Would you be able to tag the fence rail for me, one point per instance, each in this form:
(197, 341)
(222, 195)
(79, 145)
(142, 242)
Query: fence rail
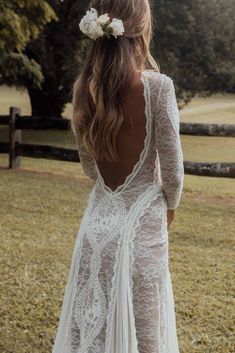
(225, 130)
(47, 152)
(41, 123)
(16, 149)
(27, 122)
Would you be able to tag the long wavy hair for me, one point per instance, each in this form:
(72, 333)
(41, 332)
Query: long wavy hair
(100, 90)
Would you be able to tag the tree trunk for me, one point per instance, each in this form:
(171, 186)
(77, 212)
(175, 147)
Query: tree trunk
(44, 103)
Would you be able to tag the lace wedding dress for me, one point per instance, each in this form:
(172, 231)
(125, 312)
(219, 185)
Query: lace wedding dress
(118, 298)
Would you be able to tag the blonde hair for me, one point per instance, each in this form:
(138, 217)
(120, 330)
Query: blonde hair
(100, 90)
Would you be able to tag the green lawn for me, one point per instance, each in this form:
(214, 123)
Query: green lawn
(40, 216)
(41, 207)
(218, 109)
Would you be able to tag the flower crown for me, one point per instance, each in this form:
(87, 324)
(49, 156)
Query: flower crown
(95, 27)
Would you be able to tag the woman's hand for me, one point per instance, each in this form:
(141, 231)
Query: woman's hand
(170, 217)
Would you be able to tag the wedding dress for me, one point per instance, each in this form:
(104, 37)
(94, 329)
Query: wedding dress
(118, 298)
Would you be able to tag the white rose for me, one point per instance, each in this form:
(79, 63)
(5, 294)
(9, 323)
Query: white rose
(84, 26)
(117, 27)
(95, 30)
(91, 15)
(103, 19)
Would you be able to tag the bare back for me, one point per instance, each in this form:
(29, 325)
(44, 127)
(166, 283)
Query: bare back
(131, 137)
(148, 143)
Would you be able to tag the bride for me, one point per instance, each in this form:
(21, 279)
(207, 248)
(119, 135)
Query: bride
(119, 298)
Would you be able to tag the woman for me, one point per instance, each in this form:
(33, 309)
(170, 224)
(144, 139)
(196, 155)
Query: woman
(119, 298)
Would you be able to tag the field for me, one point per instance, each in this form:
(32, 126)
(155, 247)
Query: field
(41, 208)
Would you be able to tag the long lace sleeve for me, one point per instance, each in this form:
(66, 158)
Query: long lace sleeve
(168, 143)
(87, 161)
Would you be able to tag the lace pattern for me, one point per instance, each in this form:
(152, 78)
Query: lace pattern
(119, 297)
(168, 146)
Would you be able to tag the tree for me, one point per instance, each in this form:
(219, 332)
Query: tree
(20, 22)
(194, 44)
(59, 51)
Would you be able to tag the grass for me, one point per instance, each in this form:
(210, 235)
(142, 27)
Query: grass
(40, 216)
(218, 109)
(208, 149)
(41, 208)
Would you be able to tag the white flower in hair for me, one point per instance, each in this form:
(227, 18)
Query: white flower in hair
(89, 25)
(91, 15)
(103, 19)
(95, 27)
(95, 30)
(117, 27)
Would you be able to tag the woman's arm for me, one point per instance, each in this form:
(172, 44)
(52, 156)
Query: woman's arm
(86, 160)
(170, 218)
(169, 145)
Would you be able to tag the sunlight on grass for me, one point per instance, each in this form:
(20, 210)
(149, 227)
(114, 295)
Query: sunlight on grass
(217, 109)
(208, 149)
(40, 217)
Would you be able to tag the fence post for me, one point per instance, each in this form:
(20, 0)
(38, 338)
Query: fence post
(14, 138)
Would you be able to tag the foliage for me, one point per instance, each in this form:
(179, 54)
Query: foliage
(194, 43)
(59, 51)
(20, 22)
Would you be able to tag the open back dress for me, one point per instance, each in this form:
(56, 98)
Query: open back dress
(118, 298)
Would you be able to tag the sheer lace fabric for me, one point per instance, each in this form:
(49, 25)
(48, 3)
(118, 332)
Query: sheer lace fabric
(118, 298)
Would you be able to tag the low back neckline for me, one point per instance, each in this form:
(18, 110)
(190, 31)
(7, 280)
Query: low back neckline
(120, 188)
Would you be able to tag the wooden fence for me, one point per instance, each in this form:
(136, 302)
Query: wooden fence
(16, 149)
